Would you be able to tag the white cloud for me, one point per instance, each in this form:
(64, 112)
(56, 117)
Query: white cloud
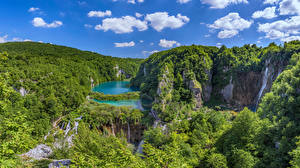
(138, 15)
(219, 45)
(289, 7)
(39, 22)
(230, 25)
(168, 44)
(3, 39)
(281, 29)
(183, 1)
(33, 9)
(141, 41)
(151, 44)
(162, 20)
(122, 25)
(27, 40)
(227, 33)
(291, 38)
(99, 13)
(220, 4)
(267, 13)
(207, 35)
(149, 52)
(126, 44)
(271, 2)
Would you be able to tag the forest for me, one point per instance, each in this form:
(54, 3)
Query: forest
(47, 89)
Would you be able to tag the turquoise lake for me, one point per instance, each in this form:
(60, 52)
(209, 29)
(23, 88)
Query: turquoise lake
(115, 88)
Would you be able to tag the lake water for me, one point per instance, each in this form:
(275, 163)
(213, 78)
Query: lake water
(115, 88)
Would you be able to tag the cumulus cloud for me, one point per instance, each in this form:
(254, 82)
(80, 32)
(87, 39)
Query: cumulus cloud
(39, 22)
(183, 1)
(281, 29)
(267, 13)
(99, 13)
(168, 44)
(138, 15)
(3, 39)
(230, 25)
(271, 2)
(162, 20)
(33, 9)
(126, 44)
(227, 33)
(122, 25)
(291, 38)
(220, 4)
(289, 7)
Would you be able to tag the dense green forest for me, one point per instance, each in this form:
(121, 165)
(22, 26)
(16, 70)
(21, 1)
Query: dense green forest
(45, 88)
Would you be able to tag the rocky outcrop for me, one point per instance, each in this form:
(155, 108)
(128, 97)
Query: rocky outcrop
(164, 90)
(196, 89)
(38, 153)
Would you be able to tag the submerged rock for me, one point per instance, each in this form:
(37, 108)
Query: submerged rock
(40, 152)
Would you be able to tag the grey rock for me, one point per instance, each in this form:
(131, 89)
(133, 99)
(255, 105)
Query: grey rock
(40, 152)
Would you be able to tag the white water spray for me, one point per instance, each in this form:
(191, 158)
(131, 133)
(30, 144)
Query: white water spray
(265, 81)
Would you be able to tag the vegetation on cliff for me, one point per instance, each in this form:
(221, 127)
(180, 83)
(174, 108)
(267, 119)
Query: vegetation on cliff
(56, 81)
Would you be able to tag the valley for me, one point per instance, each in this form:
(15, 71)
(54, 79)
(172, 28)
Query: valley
(190, 106)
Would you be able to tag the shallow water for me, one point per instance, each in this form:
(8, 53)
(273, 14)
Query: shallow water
(115, 88)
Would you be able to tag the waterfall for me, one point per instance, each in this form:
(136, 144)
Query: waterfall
(265, 81)
(68, 128)
(128, 131)
(76, 127)
(140, 147)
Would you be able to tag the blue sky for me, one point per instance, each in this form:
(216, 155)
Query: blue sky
(137, 28)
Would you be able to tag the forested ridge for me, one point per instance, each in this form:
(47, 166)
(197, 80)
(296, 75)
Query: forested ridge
(44, 88)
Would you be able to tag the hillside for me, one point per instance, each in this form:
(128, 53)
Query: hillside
(195, 100)
(43, 82)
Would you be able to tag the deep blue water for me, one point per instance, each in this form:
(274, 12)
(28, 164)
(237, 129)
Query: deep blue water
(114, 87)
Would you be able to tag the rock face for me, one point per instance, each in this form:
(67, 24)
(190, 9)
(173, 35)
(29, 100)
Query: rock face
(247, 88)
(40, 152)
(207, 87)
(227, 91)
(195, 87)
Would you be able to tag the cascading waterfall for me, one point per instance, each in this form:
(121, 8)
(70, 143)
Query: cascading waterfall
(140, 147)
(68, 128)
(264, 85)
